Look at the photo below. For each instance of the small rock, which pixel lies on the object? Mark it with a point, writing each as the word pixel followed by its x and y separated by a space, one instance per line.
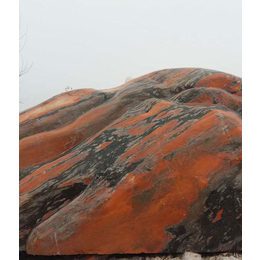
pixel 128 79
pixel 191 256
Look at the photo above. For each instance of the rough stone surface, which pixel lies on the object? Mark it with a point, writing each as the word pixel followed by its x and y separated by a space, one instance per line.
pixel 153 166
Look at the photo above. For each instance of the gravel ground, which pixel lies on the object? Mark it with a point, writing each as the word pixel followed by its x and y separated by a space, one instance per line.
pixel 185 256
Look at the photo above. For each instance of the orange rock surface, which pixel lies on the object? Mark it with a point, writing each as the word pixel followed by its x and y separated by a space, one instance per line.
pixel 152 166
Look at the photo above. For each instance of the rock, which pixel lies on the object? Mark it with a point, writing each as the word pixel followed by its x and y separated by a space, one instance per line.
pixel 152 166
pixel 191 256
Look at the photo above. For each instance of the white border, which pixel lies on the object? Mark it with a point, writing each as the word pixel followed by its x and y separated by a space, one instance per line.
pixel 251 128
pixel 9 68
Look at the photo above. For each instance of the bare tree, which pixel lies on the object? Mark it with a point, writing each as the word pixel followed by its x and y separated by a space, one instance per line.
pixel 24 65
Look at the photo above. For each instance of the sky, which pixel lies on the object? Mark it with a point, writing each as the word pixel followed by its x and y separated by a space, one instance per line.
pixel 99 43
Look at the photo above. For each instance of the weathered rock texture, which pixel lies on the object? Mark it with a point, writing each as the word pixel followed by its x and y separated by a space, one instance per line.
pixel 153 166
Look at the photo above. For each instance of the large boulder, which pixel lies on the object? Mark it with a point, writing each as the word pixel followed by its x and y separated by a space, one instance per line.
pixel 152 166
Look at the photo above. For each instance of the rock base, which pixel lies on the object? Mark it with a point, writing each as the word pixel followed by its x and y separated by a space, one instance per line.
pixel 185 256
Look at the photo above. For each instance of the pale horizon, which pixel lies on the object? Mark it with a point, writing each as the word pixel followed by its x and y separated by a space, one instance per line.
pixel 98 44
